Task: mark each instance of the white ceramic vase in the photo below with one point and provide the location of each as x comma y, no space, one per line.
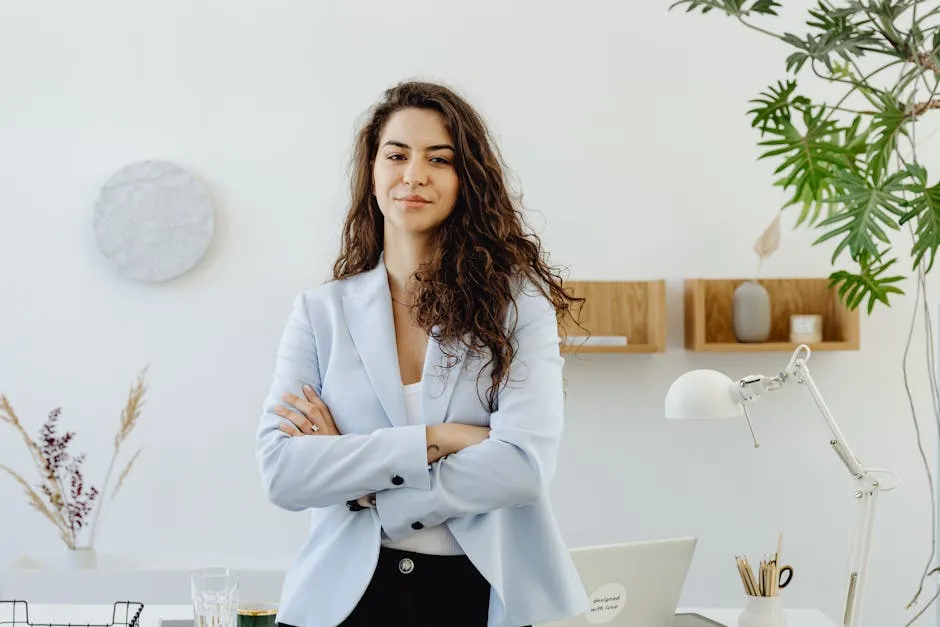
751,312
763,612
80,558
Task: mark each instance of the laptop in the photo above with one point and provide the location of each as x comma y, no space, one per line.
632,584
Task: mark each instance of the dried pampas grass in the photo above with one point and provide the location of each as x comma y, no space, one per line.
768,242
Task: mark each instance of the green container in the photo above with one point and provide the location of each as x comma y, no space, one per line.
257,615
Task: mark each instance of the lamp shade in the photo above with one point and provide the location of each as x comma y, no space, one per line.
703,394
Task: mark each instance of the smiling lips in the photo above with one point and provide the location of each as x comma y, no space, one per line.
413,201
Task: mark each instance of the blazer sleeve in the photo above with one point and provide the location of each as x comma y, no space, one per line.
516,464
323,470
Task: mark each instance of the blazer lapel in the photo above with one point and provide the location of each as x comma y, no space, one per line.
367,309
442,368
368,313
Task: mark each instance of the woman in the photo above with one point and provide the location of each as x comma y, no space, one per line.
417,401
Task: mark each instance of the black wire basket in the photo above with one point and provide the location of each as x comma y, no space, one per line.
16,614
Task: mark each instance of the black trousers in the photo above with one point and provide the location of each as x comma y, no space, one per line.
417,590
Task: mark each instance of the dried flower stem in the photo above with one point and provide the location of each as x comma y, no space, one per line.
36,501
128,421
51,484
122,477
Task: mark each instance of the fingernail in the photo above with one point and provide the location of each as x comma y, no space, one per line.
307,388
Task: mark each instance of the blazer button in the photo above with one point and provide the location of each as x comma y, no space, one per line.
405,566
417,526
397,480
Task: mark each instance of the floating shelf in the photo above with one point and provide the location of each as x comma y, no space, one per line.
709,325
620,317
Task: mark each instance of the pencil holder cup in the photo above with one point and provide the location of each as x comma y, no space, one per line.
763,612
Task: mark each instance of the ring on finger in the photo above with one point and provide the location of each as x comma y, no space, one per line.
315,428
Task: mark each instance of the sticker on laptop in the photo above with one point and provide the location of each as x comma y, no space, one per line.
606,603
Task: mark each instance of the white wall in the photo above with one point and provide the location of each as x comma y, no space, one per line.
629,135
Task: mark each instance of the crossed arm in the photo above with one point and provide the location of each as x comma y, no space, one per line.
445,470
313,417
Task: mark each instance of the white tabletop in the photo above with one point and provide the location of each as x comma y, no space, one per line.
795,617
153,614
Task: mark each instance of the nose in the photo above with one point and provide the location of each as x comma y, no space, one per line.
415,173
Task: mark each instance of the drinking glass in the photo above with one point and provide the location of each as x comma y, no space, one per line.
215,597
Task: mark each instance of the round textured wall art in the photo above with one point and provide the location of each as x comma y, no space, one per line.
153,221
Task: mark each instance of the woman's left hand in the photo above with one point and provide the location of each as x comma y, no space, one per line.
311,417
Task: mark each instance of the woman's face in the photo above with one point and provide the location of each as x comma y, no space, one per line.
414,180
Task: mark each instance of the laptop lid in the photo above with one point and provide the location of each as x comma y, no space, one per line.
632,584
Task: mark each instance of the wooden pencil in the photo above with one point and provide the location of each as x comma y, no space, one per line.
750,576
746,577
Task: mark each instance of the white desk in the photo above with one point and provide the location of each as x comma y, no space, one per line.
153,614
795,617
161,579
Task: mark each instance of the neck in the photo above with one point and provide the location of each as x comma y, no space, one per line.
403,256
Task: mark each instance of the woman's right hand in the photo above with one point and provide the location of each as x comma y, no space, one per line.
450,437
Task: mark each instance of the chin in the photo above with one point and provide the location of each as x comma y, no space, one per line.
415,227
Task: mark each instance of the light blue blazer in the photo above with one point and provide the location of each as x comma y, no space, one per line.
340,338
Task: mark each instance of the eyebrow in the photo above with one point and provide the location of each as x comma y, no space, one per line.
392,142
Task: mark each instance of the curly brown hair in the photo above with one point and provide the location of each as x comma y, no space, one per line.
478,252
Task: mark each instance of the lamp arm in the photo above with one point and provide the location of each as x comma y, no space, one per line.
866,497
800,373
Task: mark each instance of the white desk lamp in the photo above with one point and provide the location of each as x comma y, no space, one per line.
711,394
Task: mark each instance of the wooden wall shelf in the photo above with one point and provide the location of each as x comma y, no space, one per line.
635,310
709,325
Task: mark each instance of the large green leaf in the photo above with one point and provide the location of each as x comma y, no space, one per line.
868,282
886,125
823,47
849,9
845,33
766,7
925,212
810,158
870,209
826,17
773,105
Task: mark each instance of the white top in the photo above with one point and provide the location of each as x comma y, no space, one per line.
437,540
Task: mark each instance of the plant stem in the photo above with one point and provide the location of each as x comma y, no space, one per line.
68,511
855,111
920,108
923,17
52,486
906,80
856,85
101,497
758,28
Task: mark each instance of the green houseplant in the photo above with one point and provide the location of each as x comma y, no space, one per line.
849,164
